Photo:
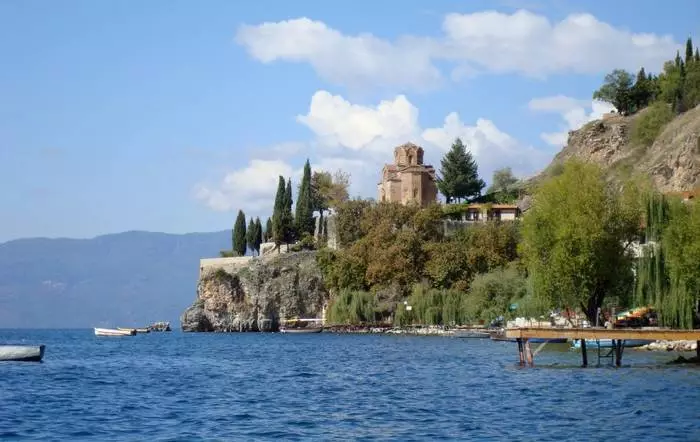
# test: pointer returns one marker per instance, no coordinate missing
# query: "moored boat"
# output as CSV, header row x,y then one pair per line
x,y
22,353
297,325
114,332
548,340
607,343
138,330
161,326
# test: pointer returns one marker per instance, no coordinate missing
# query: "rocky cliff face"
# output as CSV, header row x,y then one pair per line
x,y
672,162
254,297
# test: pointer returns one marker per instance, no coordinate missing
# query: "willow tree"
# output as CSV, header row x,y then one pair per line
x,y
576,239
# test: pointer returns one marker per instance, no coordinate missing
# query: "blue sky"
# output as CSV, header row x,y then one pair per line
x,y
172,115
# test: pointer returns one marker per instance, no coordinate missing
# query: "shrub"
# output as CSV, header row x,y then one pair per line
x,y
650,123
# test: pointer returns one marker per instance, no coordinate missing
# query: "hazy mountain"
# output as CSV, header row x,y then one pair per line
x,y
125,279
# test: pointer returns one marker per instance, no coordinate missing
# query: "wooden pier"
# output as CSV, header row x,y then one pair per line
x,y
618,336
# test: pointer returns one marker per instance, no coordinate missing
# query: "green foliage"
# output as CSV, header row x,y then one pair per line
x,y
353,307
341,270
250,235
349,216
617,90
304,216
492,293
329,190
288,229
503,186
429,306
267,235
258,238
306,242
575,239
649,125
278,213
227,254
239,235
681,244
459,176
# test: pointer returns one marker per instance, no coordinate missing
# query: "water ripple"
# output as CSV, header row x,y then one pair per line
x,y
332,387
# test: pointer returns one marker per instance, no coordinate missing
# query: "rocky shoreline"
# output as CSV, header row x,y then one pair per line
x,y
678,346
389,330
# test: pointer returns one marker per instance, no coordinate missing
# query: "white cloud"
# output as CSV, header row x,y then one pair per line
x,y
337,122
342,59
251,189
522,42
574,113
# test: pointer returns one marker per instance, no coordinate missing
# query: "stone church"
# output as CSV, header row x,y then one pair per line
x,y
408,180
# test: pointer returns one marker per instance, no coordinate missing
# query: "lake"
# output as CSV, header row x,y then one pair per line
x,y
253,386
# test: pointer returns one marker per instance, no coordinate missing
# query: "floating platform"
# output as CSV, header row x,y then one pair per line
x,y
524,336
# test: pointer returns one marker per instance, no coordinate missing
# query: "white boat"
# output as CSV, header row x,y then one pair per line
x,y
297,325
25,353
114,332
138,330
607,343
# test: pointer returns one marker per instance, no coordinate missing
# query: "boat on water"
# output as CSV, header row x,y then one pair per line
x,y
22,353
138,330
548,340
471,334
114,332
607,343
161,326
297,325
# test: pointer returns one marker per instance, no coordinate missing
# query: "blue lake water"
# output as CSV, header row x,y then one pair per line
x,y
175,386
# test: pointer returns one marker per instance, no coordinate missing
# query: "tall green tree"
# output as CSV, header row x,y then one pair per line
x,y
459,177
288,230
258,239
688,51
617,90
304,216
576,237
278,213
239,235
503,184
267,236
250,235
641,91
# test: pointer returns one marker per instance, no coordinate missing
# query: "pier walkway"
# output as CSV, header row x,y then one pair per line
x,y
618,336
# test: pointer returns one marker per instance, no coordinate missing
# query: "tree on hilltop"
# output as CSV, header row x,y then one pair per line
x,y
239,235
278,214
304,216
459,177
329,190
617,90
288,231
257,240
688,51
267,235
250,235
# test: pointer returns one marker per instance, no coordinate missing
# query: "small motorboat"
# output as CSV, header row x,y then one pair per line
x,y
607,343
23,353
114,332
301,330
161,326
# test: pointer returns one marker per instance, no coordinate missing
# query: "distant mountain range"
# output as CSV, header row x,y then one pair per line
x,y
124,279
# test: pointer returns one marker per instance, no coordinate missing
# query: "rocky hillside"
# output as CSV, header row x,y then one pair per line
x,y
672,161
255,296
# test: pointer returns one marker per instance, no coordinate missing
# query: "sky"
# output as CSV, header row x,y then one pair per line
x,y
172,115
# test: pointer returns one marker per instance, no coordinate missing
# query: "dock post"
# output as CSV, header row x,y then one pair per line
x,y
520,351
618,351
584,355
528,353
697,349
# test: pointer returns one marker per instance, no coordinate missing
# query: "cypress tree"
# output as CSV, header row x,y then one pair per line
x,y
250,235
304,214
258,235
268,230
278,213
688,51
287,218
697,55
239,235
